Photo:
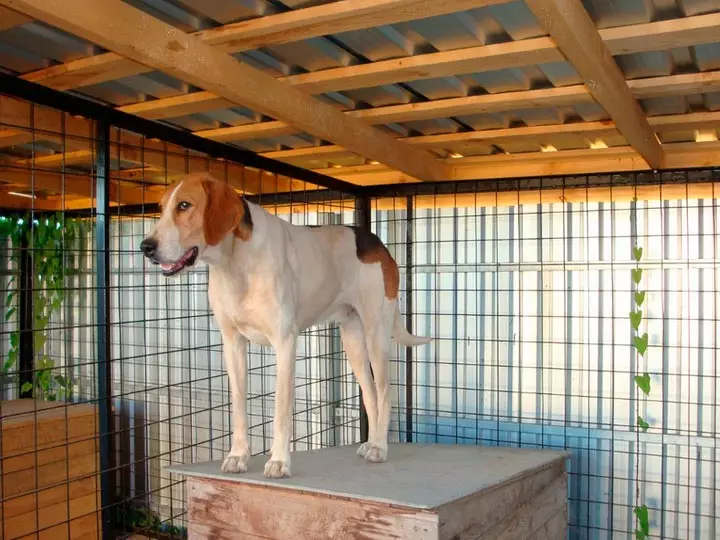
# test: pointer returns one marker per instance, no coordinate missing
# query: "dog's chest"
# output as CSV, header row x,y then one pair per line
x,y
247,309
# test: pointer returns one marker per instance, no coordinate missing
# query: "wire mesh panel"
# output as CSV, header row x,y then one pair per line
x,y
124,366
527,287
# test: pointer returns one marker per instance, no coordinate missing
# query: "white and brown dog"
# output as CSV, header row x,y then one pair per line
x,y
269,281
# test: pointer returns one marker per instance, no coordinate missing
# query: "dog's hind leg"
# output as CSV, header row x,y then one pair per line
x,y
377,322
353,338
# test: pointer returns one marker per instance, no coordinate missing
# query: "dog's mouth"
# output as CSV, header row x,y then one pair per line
x,y
186,261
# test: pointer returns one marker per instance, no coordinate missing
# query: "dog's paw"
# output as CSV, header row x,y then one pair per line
x,y
375,454
277,469
363,449
235,463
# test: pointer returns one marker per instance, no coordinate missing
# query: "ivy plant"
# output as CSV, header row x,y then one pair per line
x,y
642,379
49,240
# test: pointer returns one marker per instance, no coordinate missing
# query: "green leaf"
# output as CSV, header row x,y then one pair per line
x,y
639,535
637,275
642,424
14,339
9,313
635,319
642,515
643,382
9,297
641,343
26,387
39,341
639,298
637,253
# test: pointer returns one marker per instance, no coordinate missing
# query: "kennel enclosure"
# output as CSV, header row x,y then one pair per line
x,y
519,261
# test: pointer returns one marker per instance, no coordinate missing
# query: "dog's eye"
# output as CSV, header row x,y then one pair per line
x,y
183,205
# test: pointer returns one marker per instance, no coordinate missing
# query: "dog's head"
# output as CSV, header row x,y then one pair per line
x,y
198,211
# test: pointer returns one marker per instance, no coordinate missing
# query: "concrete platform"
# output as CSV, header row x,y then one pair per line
x,y
443,491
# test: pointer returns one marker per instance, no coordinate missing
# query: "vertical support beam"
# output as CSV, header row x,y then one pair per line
x,y
26,345
409,381
102,290
362,220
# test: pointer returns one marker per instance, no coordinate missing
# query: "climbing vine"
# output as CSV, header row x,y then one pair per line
x,y
49,242
642,381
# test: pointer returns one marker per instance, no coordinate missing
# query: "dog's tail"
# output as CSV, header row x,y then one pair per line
x,y
402,336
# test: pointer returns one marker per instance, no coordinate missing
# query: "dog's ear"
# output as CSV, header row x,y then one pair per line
x,y
223,210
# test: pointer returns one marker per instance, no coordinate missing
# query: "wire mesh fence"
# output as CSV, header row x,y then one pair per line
x,y
127,361
527,290
524,284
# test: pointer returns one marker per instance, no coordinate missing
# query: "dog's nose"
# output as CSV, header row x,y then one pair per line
x,y
148,246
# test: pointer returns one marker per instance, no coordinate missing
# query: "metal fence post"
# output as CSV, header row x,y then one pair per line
x,y
409,319
26,344
362,220
102,291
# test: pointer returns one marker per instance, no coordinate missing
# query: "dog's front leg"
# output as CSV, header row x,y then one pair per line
x,y
235,352
279,464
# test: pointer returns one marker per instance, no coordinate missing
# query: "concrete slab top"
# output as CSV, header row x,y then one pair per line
x,y
422,476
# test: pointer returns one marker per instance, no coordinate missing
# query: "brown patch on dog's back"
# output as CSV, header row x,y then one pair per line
x,y
370,249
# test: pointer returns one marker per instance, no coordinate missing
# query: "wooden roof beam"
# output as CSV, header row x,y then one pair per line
x,y
573,30
688,31
527,99
295,25
134,34
539,134
539,164
10,19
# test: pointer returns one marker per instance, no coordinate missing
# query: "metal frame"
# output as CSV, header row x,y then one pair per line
x,y
102,284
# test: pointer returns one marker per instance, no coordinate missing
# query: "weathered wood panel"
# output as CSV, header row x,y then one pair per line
x,y
49,484
490,514
278,513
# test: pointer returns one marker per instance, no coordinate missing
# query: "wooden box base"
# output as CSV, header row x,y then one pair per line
x,y
423,492
49,485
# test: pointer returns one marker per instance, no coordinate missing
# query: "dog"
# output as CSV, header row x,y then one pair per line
x,y
270,280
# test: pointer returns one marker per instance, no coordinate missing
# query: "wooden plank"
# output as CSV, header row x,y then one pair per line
x,y
472,60
577,37
282,513
296,25
10,19
480,513
46,497
662,35
490,103
675,85
143,38
49,516
531,517
555,528
538,134
493,103
429,66
533,164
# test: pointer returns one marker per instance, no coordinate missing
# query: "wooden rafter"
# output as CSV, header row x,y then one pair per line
x,y
672,85
570,25
10,19
621,40
538,134
296,25
538,164
143,38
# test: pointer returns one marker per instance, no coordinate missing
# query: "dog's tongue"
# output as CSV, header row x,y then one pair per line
x,y
167,266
